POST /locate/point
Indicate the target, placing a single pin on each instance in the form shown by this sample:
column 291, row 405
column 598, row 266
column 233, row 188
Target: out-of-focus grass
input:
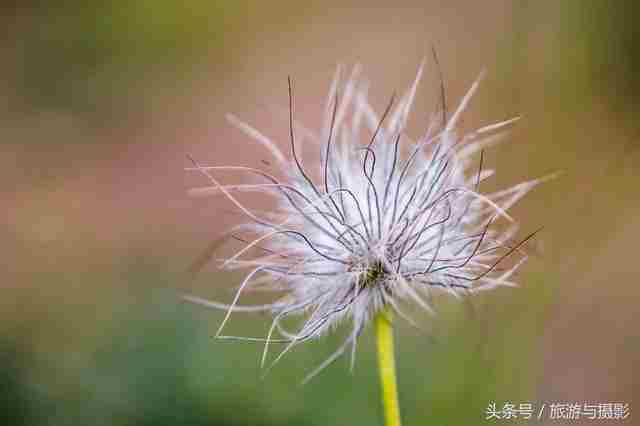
column 147, row 358
column 94, row 54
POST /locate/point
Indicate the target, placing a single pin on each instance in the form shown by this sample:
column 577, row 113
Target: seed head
column 377, row 221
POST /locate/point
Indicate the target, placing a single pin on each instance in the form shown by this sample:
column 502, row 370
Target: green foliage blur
column 91, row 52
column 151, row 360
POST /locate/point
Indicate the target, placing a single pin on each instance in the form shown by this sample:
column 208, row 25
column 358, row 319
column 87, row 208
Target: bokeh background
column 100, row 102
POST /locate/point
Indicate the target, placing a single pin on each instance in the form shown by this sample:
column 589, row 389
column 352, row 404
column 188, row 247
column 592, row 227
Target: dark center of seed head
column 372, row 275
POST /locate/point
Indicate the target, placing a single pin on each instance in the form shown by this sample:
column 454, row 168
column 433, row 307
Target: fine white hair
column 376, row 222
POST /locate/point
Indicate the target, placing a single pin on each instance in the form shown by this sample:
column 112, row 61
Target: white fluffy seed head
column 374, row 222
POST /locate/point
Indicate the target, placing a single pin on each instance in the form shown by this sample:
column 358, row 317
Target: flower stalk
column 387, row 368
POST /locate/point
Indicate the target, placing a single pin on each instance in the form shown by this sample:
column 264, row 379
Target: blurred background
column 100, row 102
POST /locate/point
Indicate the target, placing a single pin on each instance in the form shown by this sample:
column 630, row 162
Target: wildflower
column 378, row 222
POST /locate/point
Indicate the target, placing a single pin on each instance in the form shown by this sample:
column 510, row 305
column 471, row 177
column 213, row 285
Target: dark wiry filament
column 443, row 98
column 327, row 157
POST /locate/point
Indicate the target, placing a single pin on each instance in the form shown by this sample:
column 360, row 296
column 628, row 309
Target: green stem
column 387, row 367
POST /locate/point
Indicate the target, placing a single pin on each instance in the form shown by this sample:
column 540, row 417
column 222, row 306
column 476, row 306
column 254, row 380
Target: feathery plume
column 376, row 223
